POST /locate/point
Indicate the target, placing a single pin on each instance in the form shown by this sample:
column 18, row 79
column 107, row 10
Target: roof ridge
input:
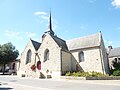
column 82, row 37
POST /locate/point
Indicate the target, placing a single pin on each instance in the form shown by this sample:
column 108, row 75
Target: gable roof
column 35, row 44
column 84, row 42
column 61, row 43
column 114, row 52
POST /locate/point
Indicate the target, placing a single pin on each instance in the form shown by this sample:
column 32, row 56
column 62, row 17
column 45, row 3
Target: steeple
column 50, row 22
column 49, row 30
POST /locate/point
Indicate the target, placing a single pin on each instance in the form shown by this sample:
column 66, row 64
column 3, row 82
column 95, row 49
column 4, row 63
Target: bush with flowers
column 33, row 67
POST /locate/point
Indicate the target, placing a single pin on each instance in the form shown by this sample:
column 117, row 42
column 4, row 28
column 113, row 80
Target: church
column 53, row 57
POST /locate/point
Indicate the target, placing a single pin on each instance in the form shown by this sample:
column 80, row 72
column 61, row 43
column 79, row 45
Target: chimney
column 109, row 48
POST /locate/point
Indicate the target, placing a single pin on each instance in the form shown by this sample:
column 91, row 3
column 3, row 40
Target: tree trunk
column 3, row 68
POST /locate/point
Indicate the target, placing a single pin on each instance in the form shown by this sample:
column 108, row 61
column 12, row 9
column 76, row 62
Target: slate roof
column 114, row 52
column 84, row 42
column 61, row 43
column 35, row 44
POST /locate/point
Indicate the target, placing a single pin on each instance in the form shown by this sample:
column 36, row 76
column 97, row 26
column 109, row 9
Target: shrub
column 84, row 74
column 68, row 74
column 96, row 74
column 116, row 73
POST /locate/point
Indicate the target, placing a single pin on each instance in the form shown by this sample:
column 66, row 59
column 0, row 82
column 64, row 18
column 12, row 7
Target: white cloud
column 44, row 17
column 116, row 3
column 108, row 42
column 11, row 32
column 13, row 35
column 40, row 13
column 29, row 34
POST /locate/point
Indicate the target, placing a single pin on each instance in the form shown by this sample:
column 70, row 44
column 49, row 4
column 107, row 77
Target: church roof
column 84, row 42
column 35, row 44
column 61, row 43
column 115, row 52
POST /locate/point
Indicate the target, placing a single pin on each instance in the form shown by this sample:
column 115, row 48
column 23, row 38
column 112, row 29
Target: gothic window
column 46, row 55
column 81, row 56
column 28, row 58
column 115, row 59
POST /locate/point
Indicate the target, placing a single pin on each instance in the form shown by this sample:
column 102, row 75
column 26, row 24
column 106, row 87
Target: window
column 81, row 56
column 46, row 55
column 28, row 58
column 115, row 59
column 119, row 59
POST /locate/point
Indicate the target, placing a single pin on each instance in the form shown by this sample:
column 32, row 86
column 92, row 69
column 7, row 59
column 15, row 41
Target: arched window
column 81, row 56
column 28, row 58
column 46, row 55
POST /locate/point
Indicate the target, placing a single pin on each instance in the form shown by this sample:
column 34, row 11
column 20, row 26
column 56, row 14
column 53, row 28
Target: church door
column 39, row 65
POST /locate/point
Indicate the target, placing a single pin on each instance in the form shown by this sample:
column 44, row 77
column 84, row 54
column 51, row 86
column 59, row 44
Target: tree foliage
column 116, row 65
column 8, row 53
column 116, row 70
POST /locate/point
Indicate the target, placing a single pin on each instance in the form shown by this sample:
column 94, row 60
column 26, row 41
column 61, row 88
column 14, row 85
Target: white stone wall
column 54, row 62
column 92, row 60
column 26, row 68
column 66, row 62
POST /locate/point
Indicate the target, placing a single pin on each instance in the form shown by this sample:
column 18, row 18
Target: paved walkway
column 13, row 86
column 16, row 83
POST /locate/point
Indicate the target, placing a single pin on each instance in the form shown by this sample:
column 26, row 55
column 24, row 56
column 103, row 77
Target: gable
column 57, row 41
column 29, row 46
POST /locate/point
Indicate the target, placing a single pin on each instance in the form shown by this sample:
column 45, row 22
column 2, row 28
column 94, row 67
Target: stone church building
column 54, row 56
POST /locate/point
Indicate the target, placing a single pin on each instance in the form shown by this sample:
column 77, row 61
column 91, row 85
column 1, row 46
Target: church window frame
column 81, row 56
column 28, row 57
column 46, row 55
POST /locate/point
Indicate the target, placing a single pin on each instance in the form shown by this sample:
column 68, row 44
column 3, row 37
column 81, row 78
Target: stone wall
column 92, row 60
column 53, row 65
column 25, row 68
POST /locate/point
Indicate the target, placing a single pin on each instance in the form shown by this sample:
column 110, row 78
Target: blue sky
column 21, row 20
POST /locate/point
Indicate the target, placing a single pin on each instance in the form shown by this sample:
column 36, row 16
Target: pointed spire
column 50, row 31
column 50, row 22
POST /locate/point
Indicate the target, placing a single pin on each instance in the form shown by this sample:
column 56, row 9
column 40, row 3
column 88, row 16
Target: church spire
column 50, row 31
column 50, row 22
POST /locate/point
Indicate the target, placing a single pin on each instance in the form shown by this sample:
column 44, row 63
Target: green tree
column 116, row 64
column 8, row 53
column 116, row 70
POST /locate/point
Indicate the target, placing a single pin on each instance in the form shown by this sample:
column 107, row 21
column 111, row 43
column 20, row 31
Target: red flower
column 33, row 67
